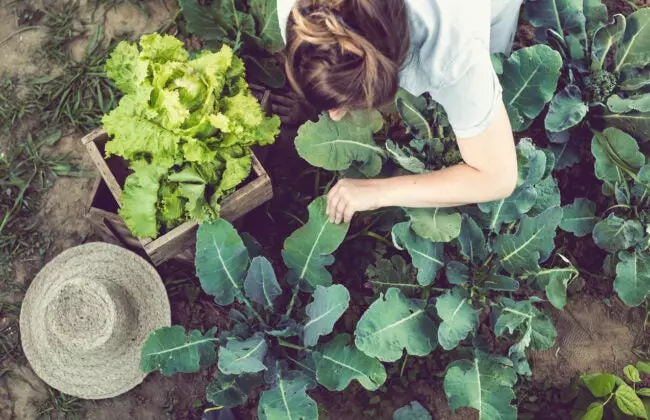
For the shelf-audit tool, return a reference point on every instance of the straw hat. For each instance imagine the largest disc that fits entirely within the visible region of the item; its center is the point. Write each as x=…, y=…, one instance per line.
x=85, y=317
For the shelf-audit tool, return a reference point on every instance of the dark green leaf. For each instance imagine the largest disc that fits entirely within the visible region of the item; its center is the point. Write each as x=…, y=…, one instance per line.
x=261, y=285
x=458, y=316
x=243, y=356
x=393, y=272
x=472, y=240
x=566, y=109
x=634, y=49
x=265, y=13
x=640, y=102
x=634, y=123
x=580, y=217
x=612, y=148
x=287, y=399
x=500, y=283
x=632, y=283
x=427, y=256
x=266, y=71
x=604, y=38
x=231, y=390
x=615, y=234
x=457, y=272
x=414, y=120
x=413, y=411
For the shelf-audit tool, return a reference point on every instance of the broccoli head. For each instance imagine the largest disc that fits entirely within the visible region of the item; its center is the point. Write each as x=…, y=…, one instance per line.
x=599, y=85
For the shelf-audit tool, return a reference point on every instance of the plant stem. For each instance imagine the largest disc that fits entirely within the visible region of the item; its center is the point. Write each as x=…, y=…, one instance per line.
x=401, y=372
x=296, y=288
x=287, y=344
x=378, y=237
x=247, y=302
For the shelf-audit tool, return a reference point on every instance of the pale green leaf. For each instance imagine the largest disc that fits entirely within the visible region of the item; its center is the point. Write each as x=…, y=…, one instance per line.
x=555, y=281
x=634, y=79
x=594, y=411
x=644, y=392
x=427, y=256
x=632, y=373
x=632, y=283
x=634, y=49
x=261, y=285
x=341, y=362
x=511, y=208
x=548, y=195
x=231, y=390
x=604, y=38
x=170, y=350
x=484, y=383
x=243, y=356
x=615, y=234
x=336, y=145
x=628, y=402
x=413, y=411
x=308, y=250
x=533, y=241
x=643, y=367
x=579, y=217
x=414, y=120
x=221, y=261
x=529, y=80
x=566, y=109
x=437, y=224
x=537, y=328
x=404, y=158
x=614, y=145
x=600, y=384
x=288, y=399
x=458, y=316
x=327, y=306
x=393, y=323
x=596, y=14
x=640, y=102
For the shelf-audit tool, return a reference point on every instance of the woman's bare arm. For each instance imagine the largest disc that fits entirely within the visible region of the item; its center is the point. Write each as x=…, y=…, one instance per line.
x=489, y=173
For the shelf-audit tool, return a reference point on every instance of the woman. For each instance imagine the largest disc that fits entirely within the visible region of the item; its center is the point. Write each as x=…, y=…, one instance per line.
x=353, y=54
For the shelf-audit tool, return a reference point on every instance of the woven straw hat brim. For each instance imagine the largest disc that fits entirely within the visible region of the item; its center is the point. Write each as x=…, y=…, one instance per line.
x=86, y=316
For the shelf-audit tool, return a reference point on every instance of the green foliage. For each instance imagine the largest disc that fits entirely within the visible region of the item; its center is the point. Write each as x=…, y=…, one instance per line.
x=413, y=411
x=484, y=383
x=170, y=350
x=327, y=307
x=458, y=316
x=185, y=126
x=604, y=395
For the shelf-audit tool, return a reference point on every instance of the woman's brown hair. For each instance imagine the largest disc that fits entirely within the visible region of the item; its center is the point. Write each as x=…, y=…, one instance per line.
x=347, y=53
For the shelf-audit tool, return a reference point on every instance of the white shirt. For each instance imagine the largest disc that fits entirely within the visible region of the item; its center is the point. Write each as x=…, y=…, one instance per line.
x=449, y=57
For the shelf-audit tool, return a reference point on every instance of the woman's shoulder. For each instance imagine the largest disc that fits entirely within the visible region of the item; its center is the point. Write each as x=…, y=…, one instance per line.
x=444, y=34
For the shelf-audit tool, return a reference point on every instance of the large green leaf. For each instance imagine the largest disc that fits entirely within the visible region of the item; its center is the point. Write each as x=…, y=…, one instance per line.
x=634, y=49
x=265, y=13
x=335, y=145
x=615, y=234
x=472, y=241
x=599, y=384
x=484, y=383
x=533, y=241
x=288, y=399
x=170, y=350
x=427, y=256
x=632, y=283
x=231, y=390
x=596, y=14
x=221, y=261
x=393, y=323
x=413, y=411
x=458, y=316
x=628, y=402
x=634, y=79
x=220, y=21
x=529, y=80
x=243, y=356
x=414, y=120
x=562, y=16
x=613, y=148
x=437, y=224
x=322, y=313
x=393, y=272
x=604, y=38
x=639, y=102
x=548, y=195
x=308, y=250
x=341, y=362
x=579, y=217
x=634, y=123
x=566, y=109
x=405, y=158
x=261, y=285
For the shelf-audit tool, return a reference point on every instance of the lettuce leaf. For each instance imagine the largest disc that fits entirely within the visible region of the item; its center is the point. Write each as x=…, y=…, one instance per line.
x=186, y=125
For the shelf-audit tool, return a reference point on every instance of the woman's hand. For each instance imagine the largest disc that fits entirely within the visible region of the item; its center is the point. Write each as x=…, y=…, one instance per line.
x=350, y=196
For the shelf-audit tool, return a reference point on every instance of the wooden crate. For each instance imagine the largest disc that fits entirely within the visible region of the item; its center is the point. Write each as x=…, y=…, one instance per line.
x=179, y=241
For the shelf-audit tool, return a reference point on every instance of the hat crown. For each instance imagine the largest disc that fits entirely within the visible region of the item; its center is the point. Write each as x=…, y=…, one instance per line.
x=89, y=314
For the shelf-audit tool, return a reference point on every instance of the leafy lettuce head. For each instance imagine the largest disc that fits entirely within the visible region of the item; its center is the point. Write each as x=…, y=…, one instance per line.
x=181, y=115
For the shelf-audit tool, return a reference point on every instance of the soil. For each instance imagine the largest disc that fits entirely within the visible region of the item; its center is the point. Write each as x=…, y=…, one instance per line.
x=595, y=335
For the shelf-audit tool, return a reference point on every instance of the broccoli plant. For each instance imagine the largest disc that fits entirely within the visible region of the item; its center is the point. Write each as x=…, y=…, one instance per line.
x=274, y=341
x=605, y=78
x=622, y=228
x=467, y=261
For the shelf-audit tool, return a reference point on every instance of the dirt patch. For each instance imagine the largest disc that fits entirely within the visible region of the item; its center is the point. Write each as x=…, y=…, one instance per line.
x=592, y=337
x=21, y=393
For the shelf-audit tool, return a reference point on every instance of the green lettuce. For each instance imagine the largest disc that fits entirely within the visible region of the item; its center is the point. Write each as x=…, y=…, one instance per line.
x=186, y=126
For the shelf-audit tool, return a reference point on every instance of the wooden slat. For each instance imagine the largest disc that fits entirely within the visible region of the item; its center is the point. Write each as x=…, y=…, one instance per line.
x=180, y=240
